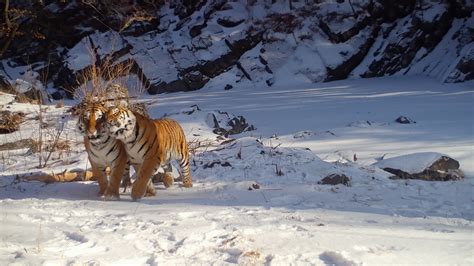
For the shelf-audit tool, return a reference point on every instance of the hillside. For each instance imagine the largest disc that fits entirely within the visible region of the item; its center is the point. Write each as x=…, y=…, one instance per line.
x=186, y=45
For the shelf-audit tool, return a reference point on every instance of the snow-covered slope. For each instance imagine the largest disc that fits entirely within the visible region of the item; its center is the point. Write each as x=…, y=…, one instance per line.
x=256, y=197
x=184, y=45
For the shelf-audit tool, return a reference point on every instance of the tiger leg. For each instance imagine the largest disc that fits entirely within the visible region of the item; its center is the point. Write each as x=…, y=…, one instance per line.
x=150, y=189
x=187, y=178
x=116, y=175
x=168, y=175
x=140, y=185
x=99, y=173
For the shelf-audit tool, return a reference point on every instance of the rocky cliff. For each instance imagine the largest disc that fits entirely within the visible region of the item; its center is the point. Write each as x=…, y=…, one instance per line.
x=185, y=45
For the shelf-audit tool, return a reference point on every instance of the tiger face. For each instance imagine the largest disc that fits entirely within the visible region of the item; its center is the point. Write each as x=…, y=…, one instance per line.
x=91, y=120
x=120, y=122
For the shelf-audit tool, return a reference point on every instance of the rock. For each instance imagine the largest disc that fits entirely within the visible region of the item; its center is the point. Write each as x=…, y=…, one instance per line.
x=215, y=67
x=228, y=87
x=238, y=125
x=5, y=85
x=195, y=80
x=464, y=69
x=336, y=179
x=405, y=120
x=417, y=33
x=197, y=29
x=57, y=95
x=397, y=34
x=225, y=124
x=228, y=22
x=139, y=28
x=214, y=163
x=343, y=70
x=270, y=82
x=427, y=166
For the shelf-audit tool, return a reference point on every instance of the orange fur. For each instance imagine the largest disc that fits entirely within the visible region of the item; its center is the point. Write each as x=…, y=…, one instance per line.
x=104, y=151
x=150, y=144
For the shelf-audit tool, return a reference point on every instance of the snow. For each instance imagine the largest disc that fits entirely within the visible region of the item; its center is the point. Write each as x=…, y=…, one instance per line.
x=412, y=163
x=240, y=210
x=81, y=55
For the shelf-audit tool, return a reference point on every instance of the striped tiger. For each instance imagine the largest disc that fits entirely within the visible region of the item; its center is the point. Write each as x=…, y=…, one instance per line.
x=104, y=151
x=149, y=143
x=114, y=92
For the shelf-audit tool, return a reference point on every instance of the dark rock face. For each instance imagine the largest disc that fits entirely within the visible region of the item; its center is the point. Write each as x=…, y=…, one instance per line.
x=443, y=169
x=237, y=48
x=229, y=23
x=464, y=69
x=57, y=95
x=196, y=45
x=419, y=34
x=336, y=179
x=343, y=70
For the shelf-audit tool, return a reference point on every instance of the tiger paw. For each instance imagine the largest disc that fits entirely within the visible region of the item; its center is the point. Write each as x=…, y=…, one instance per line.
x=137, y=192
x=168, y=180
x=108, y=195
x=187, y=183
x=150, y=191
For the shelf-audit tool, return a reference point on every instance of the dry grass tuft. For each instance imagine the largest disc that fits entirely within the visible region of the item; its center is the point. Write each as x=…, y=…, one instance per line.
x=19, y=144
x=10, y=122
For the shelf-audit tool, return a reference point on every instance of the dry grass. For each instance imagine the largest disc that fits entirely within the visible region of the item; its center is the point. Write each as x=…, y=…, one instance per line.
x=49, y=146
x=18, y=144
x=108, y=82
x=10, y=121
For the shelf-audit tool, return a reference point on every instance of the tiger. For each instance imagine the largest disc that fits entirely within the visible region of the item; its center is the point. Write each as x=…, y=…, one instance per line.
x=150, y=144
x=104, y=151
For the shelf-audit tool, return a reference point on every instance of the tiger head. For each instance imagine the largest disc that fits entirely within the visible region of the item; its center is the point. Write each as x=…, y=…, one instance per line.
x=120, y=121
x=91, y=120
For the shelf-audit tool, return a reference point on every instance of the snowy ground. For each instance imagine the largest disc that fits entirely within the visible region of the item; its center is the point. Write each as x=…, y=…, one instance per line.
x=307, y=131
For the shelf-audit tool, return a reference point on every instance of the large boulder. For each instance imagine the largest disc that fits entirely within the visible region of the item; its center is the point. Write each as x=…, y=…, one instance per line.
x=335, y=179
x=429, y=166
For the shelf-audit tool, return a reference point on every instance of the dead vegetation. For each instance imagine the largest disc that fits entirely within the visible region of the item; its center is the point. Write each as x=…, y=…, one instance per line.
x=18, y=144
x=10, y=121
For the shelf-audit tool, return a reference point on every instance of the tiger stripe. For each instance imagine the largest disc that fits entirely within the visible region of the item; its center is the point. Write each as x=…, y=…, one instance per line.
x=104, y=151
x=150, y=144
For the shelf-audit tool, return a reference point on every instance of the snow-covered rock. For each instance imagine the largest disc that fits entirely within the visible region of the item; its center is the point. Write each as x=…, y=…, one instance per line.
x=430, y=166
